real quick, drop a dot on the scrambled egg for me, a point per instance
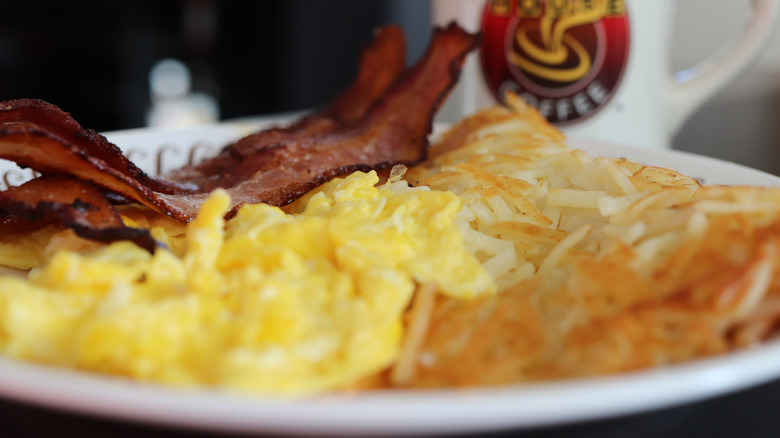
(268, 302)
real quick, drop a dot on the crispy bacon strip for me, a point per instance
(382, 63)
(77, 204)
(276, 167)
(36, 134)
(36, 123)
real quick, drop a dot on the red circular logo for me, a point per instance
(566, 57)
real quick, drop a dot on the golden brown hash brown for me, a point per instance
(605, 265)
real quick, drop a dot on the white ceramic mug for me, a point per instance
(599, 69)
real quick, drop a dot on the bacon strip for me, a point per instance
(382, 63)
(277, 167)
(39, 135)
(77, 204)
(370, 126)
(34, 123)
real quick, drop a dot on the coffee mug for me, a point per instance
(598, 69)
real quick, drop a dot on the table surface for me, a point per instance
(754, 412)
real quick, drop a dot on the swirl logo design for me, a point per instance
(566, 57)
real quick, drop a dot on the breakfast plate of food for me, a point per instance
(346, 272)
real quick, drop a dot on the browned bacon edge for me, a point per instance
(77, 204)
(275, 167)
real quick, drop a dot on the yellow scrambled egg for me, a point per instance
(268, 302)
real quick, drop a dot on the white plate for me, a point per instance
(401, 412)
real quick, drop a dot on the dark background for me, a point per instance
(92, 57)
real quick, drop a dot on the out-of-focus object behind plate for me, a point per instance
(599, 70)
(174, 105)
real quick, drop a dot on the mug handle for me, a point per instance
(684, 97)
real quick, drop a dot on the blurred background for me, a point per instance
(94, 58)
(111, 64)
